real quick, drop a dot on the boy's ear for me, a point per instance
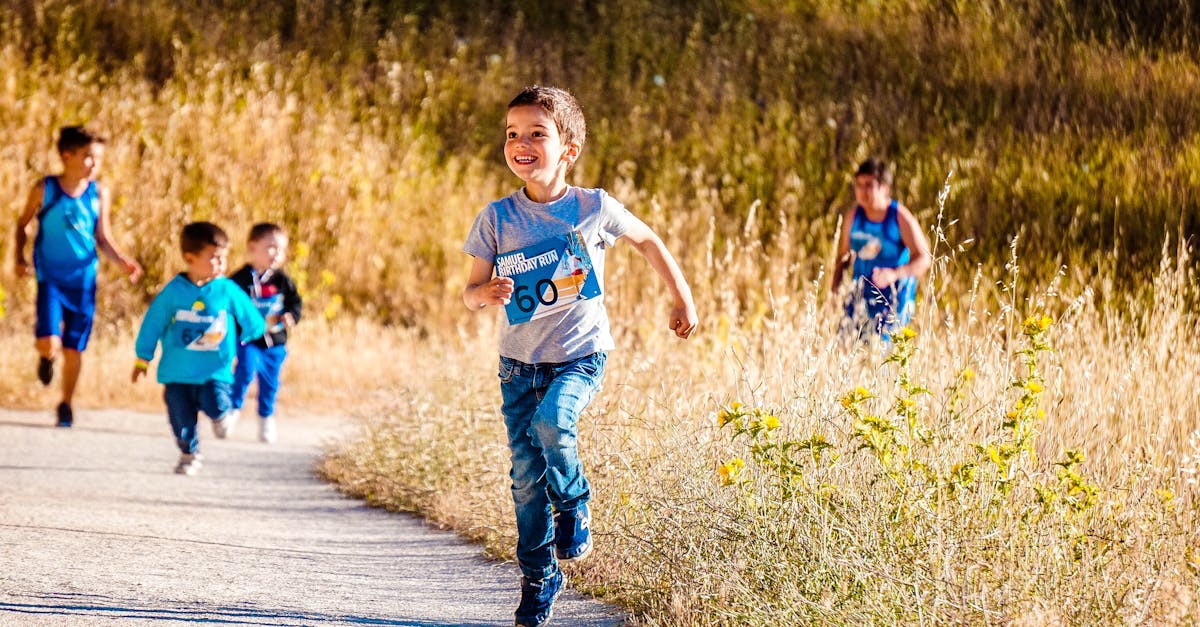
(571, 154)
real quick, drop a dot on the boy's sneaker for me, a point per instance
(572, 538)
(537, 599)
(223, 427)
(45, 370)
(66, 417)
(266, 430)
(188, 464)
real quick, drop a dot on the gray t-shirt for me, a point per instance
(516, 222)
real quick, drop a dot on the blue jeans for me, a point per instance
(185, 401)
(542, 403)
(264, 363)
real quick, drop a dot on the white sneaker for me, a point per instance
(223, 427)
(189, 463)
(266, 430)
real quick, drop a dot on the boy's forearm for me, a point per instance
(113, 252)
(471, 299)
(22, 240)
(668, 269)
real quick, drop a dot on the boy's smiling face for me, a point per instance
(267, 252)
(207, 264)
(535, 152)
(83, 163)
(870, 193)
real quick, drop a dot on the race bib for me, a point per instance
(549, 277)
(199, 331)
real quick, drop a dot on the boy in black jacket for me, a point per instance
(275, 295)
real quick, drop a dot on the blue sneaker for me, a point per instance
(572, 538)
(537, 599)
(66, 417)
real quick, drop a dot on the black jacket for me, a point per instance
(274, 296)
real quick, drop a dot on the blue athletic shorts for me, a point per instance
(66, 312)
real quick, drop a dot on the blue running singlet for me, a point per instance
(880, 308)
(64, 251)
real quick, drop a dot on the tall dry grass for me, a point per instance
(989, 500)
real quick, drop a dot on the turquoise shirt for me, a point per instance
(64, 251)
(198, 328)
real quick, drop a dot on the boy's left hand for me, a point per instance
(287, 320)
(133, 269)
(683, 321)
(884, 277)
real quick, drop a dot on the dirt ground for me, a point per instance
(96, 529)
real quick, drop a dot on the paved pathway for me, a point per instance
(95, 529)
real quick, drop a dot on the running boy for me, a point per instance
(72, 210)
(276, 297)
(552, 347)
(883, 242)
(191, 316)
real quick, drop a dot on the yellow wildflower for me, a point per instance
(722, 418)
(736, 405)
(1033, 386)
(907, 333)
(771, 422)
(968, 374)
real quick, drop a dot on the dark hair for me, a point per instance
(265, 229)
(562, 107)
(877, 168)
(76, 137)
(197, 235)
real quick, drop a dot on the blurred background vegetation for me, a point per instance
(372, 129)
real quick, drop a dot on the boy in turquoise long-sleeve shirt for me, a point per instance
(191, 317)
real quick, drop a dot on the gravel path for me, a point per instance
(95, 529)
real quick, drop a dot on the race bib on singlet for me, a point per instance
(548, 277)
(200, 331)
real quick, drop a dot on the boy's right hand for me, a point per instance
(138, 371)
(24, 269)
(497, 291)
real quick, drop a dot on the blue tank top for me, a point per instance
(879, 245)
(64, 251)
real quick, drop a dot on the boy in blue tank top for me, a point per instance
(883, 243)
(72, 210)
(539, 253)
(199, 317)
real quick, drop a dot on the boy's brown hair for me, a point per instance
(877, 168)
(76, 137)
(562, 107)
(264, 229)
(197, 235)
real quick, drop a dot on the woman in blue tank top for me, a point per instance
(883, 243)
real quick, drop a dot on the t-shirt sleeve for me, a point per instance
(615, 220)
(154, 324)
(482, 242)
